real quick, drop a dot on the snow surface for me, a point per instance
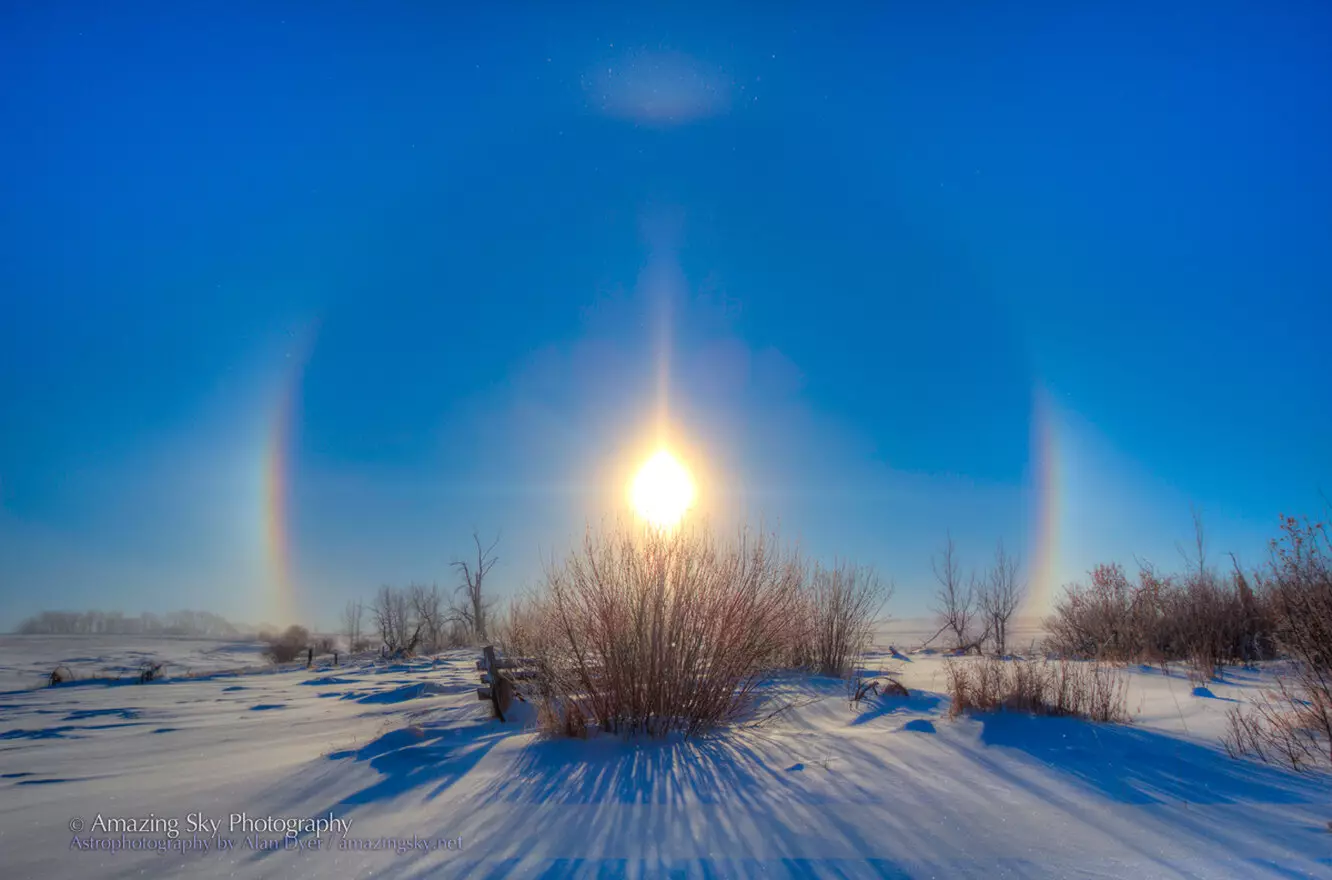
(891, 788)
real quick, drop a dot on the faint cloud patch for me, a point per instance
(658, 88)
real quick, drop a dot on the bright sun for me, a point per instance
(662, 491)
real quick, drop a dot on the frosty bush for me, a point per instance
(646, 632)
(287, 647)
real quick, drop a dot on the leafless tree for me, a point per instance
(472, 607)
(999, 597)
(351, 624)
(955, 603)
(429, 618)
(392, 614)
(408, 619)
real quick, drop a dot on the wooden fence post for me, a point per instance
(500, 691)
(498, 685)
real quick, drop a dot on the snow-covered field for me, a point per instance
(888, 789)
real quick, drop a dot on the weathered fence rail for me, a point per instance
(499, 677)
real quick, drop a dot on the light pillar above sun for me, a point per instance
(662, 491)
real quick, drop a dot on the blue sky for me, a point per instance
(880, 248)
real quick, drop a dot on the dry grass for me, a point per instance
(1282, 726)
(1090, 690)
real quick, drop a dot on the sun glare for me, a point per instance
(662, 491)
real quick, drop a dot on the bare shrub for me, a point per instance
(801, 632)
(1257, 625)
(324, 645)
(1096, 620)
(1292, 723)
(1202, 623)
(1090, 690)
(293, 642)
(844, 603)
(648, 632)
(1281, 725)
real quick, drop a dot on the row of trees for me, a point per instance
(201, 624)
(410, 620)
(1207, 618)
(420, 619)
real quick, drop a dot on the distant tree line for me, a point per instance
(202, 624)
